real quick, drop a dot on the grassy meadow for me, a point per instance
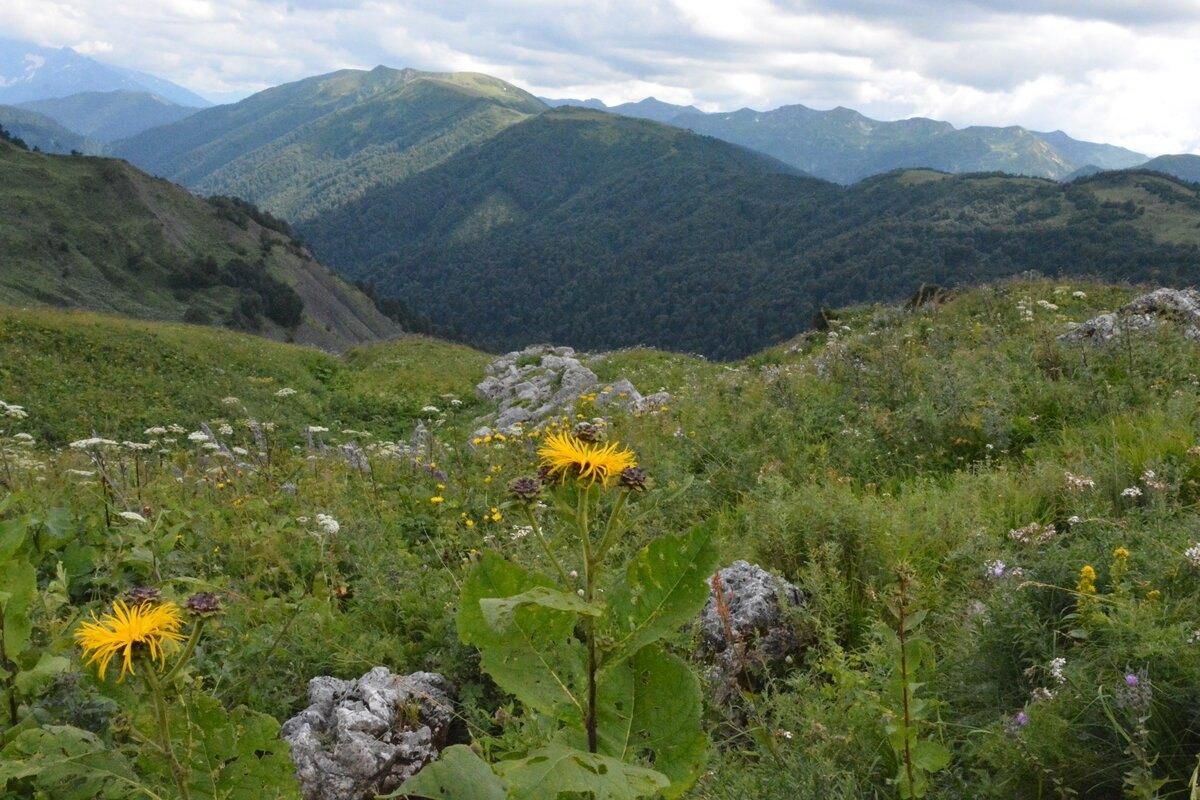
(1027, 506)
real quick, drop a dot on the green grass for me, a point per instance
(918, 438)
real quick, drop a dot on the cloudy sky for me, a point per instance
(1120, 71)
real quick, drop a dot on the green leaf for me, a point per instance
(31, 681)
(664, 587)
(12, 536)
(20, 583)
(930, 756)
(70, 764)
(557, 769)
(498, 611)
(458, 774)
(535, 658)
(650, 710)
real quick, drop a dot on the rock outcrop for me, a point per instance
(743, 629)
(1178, 306)
(540, 382)
(361, 738)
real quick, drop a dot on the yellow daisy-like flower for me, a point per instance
(568, 457)
(151, 626)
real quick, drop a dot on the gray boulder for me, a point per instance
(743, 628)
(1180, 306)
(365, 737)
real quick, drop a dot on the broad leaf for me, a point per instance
(498, 611)
(32, 680)
(650, 709)
(535, 658)
(664, 587)
(12, 536)
(20, 584)
(930, 756)
(458, 774)
(557, 769)
(70, 764)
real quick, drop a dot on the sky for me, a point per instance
(1105, 70)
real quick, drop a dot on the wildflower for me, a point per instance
(328, 524)
(1131, 492)
(1134, 693)
(1087, 580)
(203, 604)
(431, 410)
(90, 443)
(1079, 295)
(1192, 554)
(225, 430)
(1194, 637)
(588, 432)
(131, 516)
(1150, 478)
(437, 499)
(15, 412)
(1033, 533)
(146, 629)
(1057, 667)
(568, 457)
(317, 429)
(1121, 553)
(995, 569)
(1041, 695)
(229, 401)
(285, 392)
(525, 489)
(1079, 483)
(140, 595)
(520, 532)
(198, 436)
(1074, 519)
(634, 478)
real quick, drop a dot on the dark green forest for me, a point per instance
(600, 231)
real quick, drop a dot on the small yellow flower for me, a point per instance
(496, 516)
(470, 523)
(569, 457)
(1153, 596)
(1087, 580)
(441, 486)
(437, 499)
(148, 627)
(1121, 553)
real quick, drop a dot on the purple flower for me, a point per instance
(1131, 679)
(1022, 719)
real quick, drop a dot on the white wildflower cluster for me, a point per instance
(430, 410)
(1152, 481)
(285, 392)
(1041, 695)
(1131, 492)
(1078, 295)
(157, 430)
(14, 412)
(92, 443)
(230, 401)
(1079, 483)
(1057, 670)
(997, 570)
(225, 429)
(520, 532)
(198, 437)
(328, 525)
(1025, 311)
(1194, 637)
(1046, 304)
(137, 447)
(1034, 533)
(317, 429)
(1192, 554)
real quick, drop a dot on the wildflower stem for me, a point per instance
(186, 655)
(537, 531)
(901, 615)
(589, 626)
(611, 528)
(164, 725)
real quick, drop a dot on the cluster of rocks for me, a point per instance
(540, 382)
(745, 633)
(1178, 306)
(362, 738)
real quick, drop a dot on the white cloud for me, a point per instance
(1112, 70)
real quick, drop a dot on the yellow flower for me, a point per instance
(1121, 553)
(470, 523)
(149, 627)
(567, 456)
(1087, 580)
(437, 499)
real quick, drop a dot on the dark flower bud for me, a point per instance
(203, 604)
(545, 473)
(635, 479)
(588, 432)
(140, 595)
(525, 489)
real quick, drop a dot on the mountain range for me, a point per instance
(108, 116)
(32, 72)
(98, 234)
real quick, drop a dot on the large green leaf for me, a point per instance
(71, 764)
(664, 587)
(498, 611)
(12, 536)
(33, 680)
(650, 709)
(557, 769)
(20, 584)
(535, 658)
(458, 774)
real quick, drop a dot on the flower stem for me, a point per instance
(537, 531)
(164, 726)
(611, 528)
(590, 568)
(188, 649)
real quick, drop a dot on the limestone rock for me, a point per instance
(365, 737)
(1181, 306)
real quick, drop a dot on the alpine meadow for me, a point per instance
(808, 410)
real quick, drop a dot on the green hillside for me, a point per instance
(601, 231)
(305, 147)
(40, 131)
(844, 146)
(1185, 166)
(1023, 509)
(95, 233)
(108, 116)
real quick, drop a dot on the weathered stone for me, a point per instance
(743, 627)
(365, 737)
(1180, 306)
